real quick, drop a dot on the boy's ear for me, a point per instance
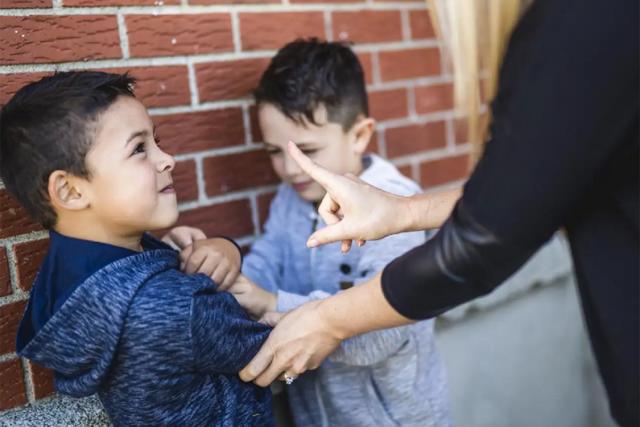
(363, 131)
(66, 191)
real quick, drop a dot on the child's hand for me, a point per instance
(218, 258)
(252, 297)
(181, 237)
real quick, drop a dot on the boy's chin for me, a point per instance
(313, 195)
(167, 220)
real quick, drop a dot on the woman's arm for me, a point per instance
(307, 335)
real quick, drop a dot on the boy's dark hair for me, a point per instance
(306, 74)
(49, 125)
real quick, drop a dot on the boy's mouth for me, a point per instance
(301, 186)
(168, 189)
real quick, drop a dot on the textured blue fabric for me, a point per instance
(159, 347)
(58, 277)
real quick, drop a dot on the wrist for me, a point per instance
(410, 220)
(271, 302)
(325, 311)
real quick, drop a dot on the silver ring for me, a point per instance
(288, 379)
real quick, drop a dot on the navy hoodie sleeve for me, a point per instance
(224, 339)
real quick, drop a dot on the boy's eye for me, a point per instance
(309, 152)
(139, 148)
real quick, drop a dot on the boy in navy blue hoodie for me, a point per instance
(110, 312)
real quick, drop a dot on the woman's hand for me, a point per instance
(304, 337)
(353, 209)
(301, 340)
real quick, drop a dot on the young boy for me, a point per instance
(313, 93)
(109, 311)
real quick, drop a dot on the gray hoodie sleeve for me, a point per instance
(373, 347)
(263, 265)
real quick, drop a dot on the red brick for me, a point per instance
(325, 1)
(13, 218)
(161, 86)
(185, 181)
(5, 279)
(29, 257)
(24, 4)
(406, 170)
(179, 34)
(237, 172)
(205, 130)
(434, 98)
(438, 172)
(256, 132)
(421, 26)
(272, 30)
(205, 2)
(388, 104)
(367, 26)
(411, 139)
(264, 203)
(12, 391)
(42, 381)
(120, 2)
(231, 219)
(10, 315)
(229, 79)
(157, 86)
(409, 63)
(367, 67)
(10, 83)
(38, 39)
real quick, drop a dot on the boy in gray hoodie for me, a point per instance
(313, 93)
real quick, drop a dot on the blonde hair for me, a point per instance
(474, 35)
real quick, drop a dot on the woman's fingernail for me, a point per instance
(312, 243)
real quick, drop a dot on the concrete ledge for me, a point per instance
(59, 411)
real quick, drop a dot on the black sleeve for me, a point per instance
(567, 98)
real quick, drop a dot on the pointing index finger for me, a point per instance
(318, 173)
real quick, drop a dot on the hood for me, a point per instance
(80, 341)
(384, 175)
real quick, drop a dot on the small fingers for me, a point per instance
(271, 318)
(220, 272)
(195, 260)
(229, 279)
(345, 246)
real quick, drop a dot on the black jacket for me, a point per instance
(563, 153)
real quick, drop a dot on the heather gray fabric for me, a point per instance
(386, 378)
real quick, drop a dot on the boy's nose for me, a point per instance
(290, 166)
(166, 162)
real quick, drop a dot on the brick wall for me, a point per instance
(196, 61)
